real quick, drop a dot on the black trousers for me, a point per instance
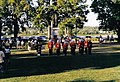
(72, 51)
(81, 51)
(65, 51)
(58, 51)
(39, 51)
(89, 50)
(50, 51)
(86, 50)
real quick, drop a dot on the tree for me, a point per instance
(1, 15)
(42, 16)
(72, 13)
(19, 7)
(12, 11)
(108, 14)
(62, 13)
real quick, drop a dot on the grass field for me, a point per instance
(102, 66)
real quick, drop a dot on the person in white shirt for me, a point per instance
(7, 53)
(2, 55)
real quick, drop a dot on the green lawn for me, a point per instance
(102, 66)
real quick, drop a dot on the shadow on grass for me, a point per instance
(27, 65)
(109, 81)
(78, 80)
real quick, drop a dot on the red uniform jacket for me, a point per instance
(79, 44)
(86, 44)
(65, 46)
(57, 45)
(50, 45)
(72, 45)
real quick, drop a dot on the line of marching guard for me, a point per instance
(84, 46)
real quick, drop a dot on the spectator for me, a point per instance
(108, 37)
(29, 45)
(7, 54)
(22, 44)
(2, 55)
(39, 48)
(111, 39)
(100, 39)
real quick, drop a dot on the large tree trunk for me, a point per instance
(118, 33)
(49, 32)
(66, 31)
(16, 27)
(70, 32)
(16, 30)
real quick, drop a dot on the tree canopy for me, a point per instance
(108, 14)
(62, 13)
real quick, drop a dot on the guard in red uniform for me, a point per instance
(89, 46)
(58, 46)
(79, 43)
(73, 47)
(86, 45)
(50, 46)
(81, 46)
(65, 47)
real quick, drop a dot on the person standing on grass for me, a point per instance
(73, 47)
(29, 45)
(86, 45)
(89, 47)
(50, 46)
(57, 46)
(2, 55)
(65, 47)
(7, 54)
(39, 48)
(10, 41)
(18, 44)
(79, 44)
(22, 44)
(111, 39)
(82, 47)
(108, 37)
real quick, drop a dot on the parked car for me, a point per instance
(43, 38)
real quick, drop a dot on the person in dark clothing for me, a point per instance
(39, 48)
(73, 47)
(65, 47)
(7, 54)
(2, 55)
(89, 47)
(82, 47)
